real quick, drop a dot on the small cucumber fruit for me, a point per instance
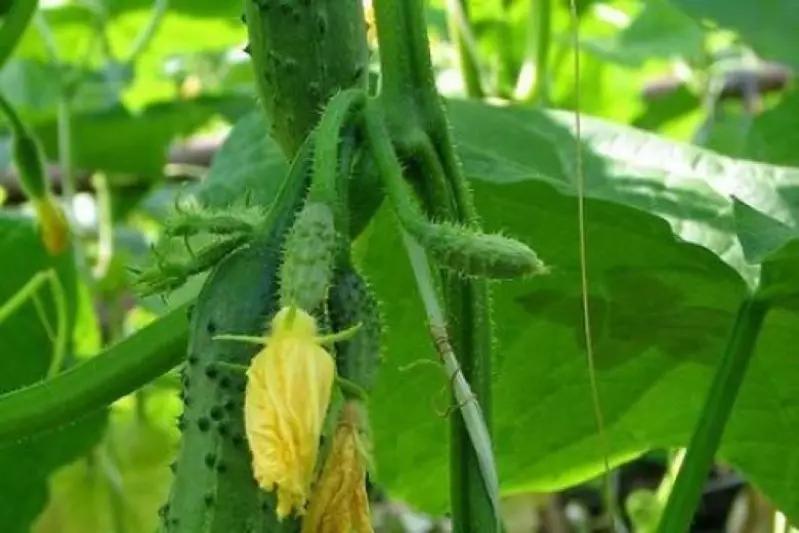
(351, 301)
(307, 267)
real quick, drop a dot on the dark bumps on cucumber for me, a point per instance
(213, 490)
(302, 53)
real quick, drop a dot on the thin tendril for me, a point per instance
(584, 267)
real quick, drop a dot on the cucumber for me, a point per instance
(475, 254)
(303, 51)
(213, 489)
(306, 271)
(351, 301)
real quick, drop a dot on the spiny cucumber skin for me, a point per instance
(173, 272)
(303, 51)
(307, 268)
(352, 301)
(214, 221)
(214, 490)
(477, 254)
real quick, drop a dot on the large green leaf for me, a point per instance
(667, 270)
(768, 224)
(769, 26)
(666, 273)
(26, 355)
(249, 161)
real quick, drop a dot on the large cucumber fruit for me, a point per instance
(213, 489)
(303, 51)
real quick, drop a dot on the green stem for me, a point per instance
(48, 39)
(105, 225)
(468, 314)
(146, 36)
(468, 307)
(467, 251)
(405, 66)
(401, 194)
(61, 334)
(467, 302)
(716, 411)
(543, 17)
(508, 63)
(42, 314)
(64, 118)
(23, 294)
(461, 34)
(326, 169)
(470, 410)
(17, 19)
(667, 483)
(97, 382)
(65, 149)
(415, 114)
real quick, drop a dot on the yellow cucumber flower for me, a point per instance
(288, 392)
(339, 503)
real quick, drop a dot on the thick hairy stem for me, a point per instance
(326, 187)
(408, 85)
(405, 65)
(472, 506)
(466, 251)
(468, 315)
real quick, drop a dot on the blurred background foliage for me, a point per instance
(132, 100)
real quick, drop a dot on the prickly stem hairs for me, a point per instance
(458, 248)
(341, 110)
(311, 247)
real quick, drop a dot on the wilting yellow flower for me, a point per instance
(52, 223)
(288, 393)
(339, 503)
